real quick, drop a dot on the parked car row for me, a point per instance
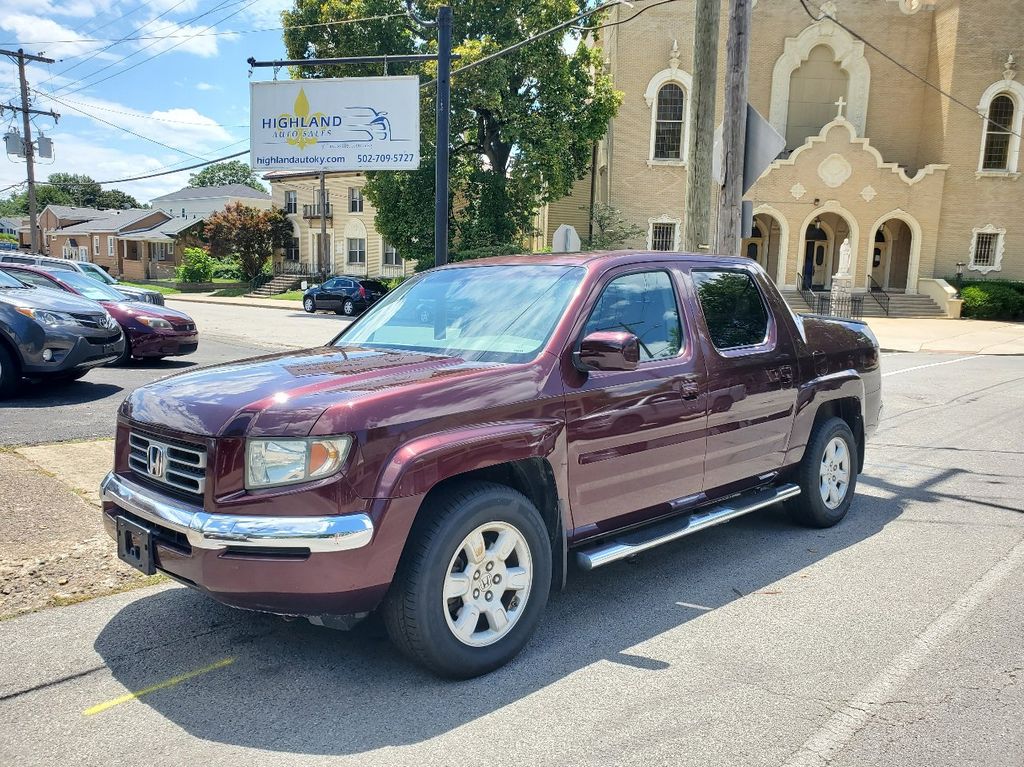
(58, 323)
(51, 264)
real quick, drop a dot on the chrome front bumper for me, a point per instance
(218, 531)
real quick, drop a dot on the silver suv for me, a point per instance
(86, 268)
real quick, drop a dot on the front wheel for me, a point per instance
(827, 475)
(10, 374)
(473, 581)
(308, 304)
(348, 308)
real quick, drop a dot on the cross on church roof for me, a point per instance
(841, 103)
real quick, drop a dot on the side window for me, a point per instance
(733, 308)
(645, 305)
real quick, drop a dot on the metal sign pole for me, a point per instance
(444, 92)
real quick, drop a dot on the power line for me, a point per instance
(340, 22)
(97, 52)
(908, 70)
(221, 5)
(623, 21)
(154, 117)
(96, 117)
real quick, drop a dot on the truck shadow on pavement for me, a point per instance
(296, 688)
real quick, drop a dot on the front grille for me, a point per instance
(102, 340)
(91, 320)
(187, 326)
(155, 298)
(179, 466)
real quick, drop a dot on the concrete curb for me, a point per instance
(265, 303)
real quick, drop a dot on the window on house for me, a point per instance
(645, 305)
(355, 200)
(170, 249)
(669, 123)
(356, 250)
(291, 253)
(985, 251)
(733, 308)
(998, 132)
(663, 236)
(183, 213)
(391, 255)
(110, 246)
(95, 245)
(83, 253)
(291, 202)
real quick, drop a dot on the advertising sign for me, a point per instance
(345, 124)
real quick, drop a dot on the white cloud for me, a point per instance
(267, 13)
(30, 28)
(207, 87)
(182, 38)
(75, 154)
(180, 127)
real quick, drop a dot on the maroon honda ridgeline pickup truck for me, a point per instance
(449, 452)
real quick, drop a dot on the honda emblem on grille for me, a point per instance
(156, 461)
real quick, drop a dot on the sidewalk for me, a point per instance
(207, 298)
(941, 335)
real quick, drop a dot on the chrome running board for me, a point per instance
(645, 538)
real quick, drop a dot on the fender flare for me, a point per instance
(843, 384)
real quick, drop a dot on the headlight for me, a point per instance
(50, 319)
(273, 462)
(155, 322)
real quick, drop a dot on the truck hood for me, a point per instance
(282, 394)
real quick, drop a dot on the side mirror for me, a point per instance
(608, 350)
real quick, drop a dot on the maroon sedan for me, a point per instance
(150, 331)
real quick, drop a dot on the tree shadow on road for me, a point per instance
(301, 689)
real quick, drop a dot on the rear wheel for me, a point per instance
(10, 374)
(473, 581)
(827, 475)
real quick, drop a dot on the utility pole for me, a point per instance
(734, 130)
(26, 114)
(697, 236)
(323, 255)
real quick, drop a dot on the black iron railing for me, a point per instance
(878, 293)
(296, 268)
(316, 211)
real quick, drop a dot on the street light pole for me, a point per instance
(444, 92)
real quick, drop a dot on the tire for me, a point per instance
(309, 304)
(348, 308)
(425, 625)
(830, 459)
(126, 353)
(10, 374)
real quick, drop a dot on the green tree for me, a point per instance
(77, 188)
(522, 125)
(248, 233)
(223, 173)
(116, 199)
(611, 229)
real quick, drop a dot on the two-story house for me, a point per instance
(195, 202)
(352, 244)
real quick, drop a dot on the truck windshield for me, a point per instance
(480, 313)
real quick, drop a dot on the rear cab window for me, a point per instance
(733, 307)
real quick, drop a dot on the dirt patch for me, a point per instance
(53, 549)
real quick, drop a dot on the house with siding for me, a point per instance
(196, 202)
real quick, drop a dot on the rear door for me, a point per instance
(636, 438)
(752, 371)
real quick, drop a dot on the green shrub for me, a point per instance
(8, 237)
(196, 266)
(992, 300)
(394, 282)
(228, 269)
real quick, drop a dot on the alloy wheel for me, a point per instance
(834, 474)
(487, 584)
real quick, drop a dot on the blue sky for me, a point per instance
(192, 97)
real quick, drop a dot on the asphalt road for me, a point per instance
(895, 638)
(86, 409)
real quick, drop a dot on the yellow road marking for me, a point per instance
(175, 680)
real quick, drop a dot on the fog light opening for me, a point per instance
(48, 355)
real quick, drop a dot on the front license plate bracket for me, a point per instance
(135, 545)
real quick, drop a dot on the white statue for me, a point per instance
(845, 257)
